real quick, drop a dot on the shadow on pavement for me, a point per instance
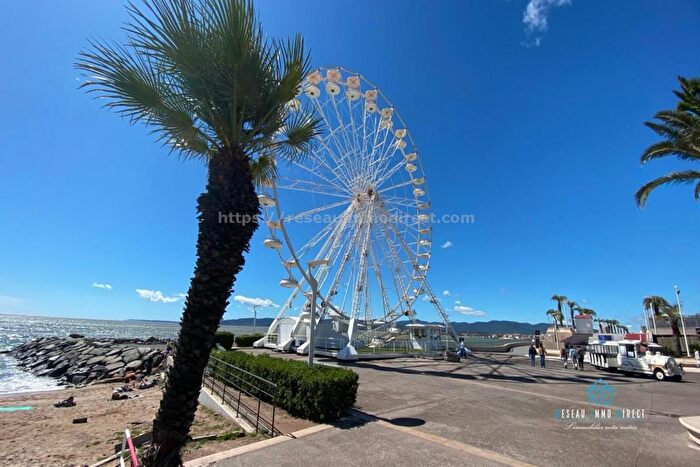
(495, 374)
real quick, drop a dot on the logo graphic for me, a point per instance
(601, 393)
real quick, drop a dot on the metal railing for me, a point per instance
(252, 397)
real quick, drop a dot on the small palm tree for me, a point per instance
(201, 75)
(573, 306)
(661, 308)
(560, 299)
(680, 130)
(586, 311)
(558, 318)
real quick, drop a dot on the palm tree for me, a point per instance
(558, 318)
(600, 324)
(680, 131)
(573, 306)
(559, 299)
(586, 311)
(201, 75)
(661, 308)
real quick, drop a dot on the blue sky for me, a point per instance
(535, 129)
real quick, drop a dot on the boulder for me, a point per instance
(59, 370)
(114, 366)
(113, 359)
(95, 360)
(130, 355)
(76, 336)
(77, 379)
(133, 365)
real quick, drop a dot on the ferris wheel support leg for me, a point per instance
(347, 353)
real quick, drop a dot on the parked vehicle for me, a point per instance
(634, 357)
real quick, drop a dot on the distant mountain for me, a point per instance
(496, 327)
(500, 327)
(262, 322)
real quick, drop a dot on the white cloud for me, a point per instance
(447, 244)
(457, 302)
(535, 18)
(261, 302)
(158, 297)
(102, 286)
(446, 293)
(469, 311)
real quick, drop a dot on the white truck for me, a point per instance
(634, 357)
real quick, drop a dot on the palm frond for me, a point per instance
(675, 178)
(202, 74)
(263, 169)
(134, 88)
(666, 148)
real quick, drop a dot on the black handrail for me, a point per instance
(220, 375)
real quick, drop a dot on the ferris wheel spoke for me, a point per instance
(339, 169)
(331, 131)
(387, 174)
(316, 173)
(310, 212)
(308, 186)
(398, 287)
(394, 187)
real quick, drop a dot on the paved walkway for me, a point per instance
(492, 411)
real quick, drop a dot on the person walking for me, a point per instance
(581, 353)
(532, 353)
(573, 355)
(697, 358)
(543, 354)
(563, 356)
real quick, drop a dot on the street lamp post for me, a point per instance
(680, 312)
(255, 318)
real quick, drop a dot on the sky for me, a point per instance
(528, 114)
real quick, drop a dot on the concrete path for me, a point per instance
(493, 410)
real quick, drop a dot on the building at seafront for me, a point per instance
(659, 330)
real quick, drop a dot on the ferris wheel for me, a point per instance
(351, 218)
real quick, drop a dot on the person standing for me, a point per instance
(532, 353)
(573, 355)
(697, 358)
(562, 355)
(543, 354)
(581, 353)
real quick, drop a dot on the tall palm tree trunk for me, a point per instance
(220, 249)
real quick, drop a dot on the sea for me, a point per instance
(17, 329)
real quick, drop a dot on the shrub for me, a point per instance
(319, 393)
(247, 340)
(693, 347)
(225, 339)
(666, 350)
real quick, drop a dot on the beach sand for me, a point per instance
(46, 435)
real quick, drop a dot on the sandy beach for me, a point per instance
(47, 436)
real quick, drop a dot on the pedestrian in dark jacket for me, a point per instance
(581, 353)
(532, 353)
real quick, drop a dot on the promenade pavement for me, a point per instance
(494, 410)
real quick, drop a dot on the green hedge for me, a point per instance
(319, 393)
(224, 338)
(247, 340)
